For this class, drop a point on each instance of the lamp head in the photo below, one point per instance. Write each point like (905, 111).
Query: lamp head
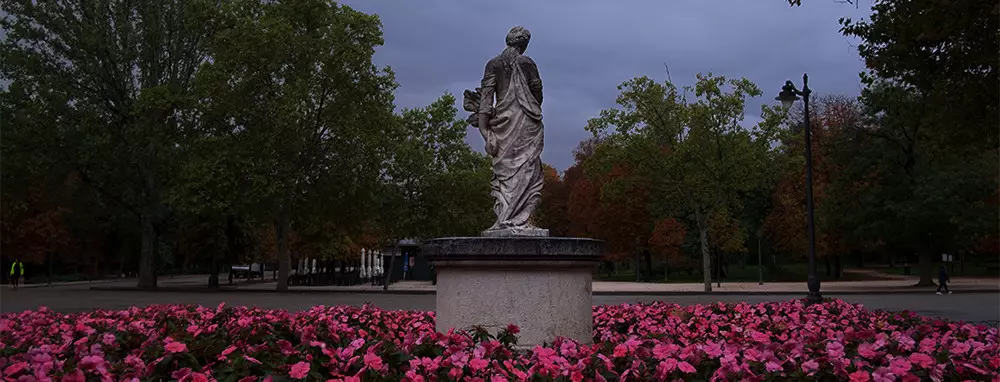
(787, 96)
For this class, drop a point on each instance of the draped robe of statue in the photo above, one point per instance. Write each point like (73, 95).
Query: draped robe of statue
(514, 140)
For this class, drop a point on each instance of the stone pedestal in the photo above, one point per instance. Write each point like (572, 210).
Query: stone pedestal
(540, 284)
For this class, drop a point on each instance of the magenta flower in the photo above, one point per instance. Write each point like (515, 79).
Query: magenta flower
(860, 376)
(373, 361)
(810, 366)
(866, 350)
(922, 360)
(632, 341)
(685, 367)
(899, 366)
(175, 347)
(299, 370)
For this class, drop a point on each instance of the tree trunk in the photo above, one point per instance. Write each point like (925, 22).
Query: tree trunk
(926, 268)
(50, 268)
(649, 265)
(213, 276)
(284, 257)
(706, 261)
(392, 266)
(147, 253)
(838, 267)
(666, 268)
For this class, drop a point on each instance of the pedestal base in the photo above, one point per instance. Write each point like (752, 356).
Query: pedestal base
(516, 232)
(540, 284)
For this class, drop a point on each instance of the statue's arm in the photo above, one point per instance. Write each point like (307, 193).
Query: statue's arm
(487, 91)
(534, 79)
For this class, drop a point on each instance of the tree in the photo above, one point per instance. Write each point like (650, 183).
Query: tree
(434, 183)
(695, 155)
(668, 241)
(726, 236)
(114, 78)
(944, 51)
(832, 118)
(932, 108)
(301, 117)
(552, 211)
(916, 191)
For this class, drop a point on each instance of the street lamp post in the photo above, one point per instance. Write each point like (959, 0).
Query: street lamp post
(789, 94)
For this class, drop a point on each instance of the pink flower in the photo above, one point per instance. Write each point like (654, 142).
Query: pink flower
(74, 376)
(667, 366)
(899, 366)
(922, 360)
(959, 348)
(92, 362)
(685, 367)
(176, 347)
(835, 349)
(620, 351)
(810, 366)
(906, 342)
(373, 361)
(760, 337)
(410, 376)
(883, 375)
(664, 351)
(299, 370)
(713, 349)
(866, 350)
(498, 378)
(859, 376)
(478, 364)
(15, 368)
(773, 366)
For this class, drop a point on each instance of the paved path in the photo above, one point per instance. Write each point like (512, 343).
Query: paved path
(900, 284)
(74, 298)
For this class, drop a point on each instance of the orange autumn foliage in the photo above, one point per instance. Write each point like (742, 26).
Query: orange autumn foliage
(667, 240)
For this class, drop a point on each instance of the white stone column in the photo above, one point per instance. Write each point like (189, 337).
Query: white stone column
(364, 258)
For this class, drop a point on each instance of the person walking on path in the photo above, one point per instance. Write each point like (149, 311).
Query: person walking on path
(942, 280)
(16, 272)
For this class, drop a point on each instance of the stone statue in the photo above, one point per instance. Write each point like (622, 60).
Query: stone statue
(512, 129)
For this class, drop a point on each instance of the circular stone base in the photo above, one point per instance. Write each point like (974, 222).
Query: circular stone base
(540, 284)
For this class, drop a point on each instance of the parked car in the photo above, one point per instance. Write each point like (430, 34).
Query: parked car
(248, 272)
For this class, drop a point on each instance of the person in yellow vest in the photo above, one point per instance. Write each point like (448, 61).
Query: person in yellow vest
(16, 272)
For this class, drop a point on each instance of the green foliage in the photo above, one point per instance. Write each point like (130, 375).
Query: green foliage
(693, 153)
(296, 120)
(434, 183)
(946, 52)
(111, 80)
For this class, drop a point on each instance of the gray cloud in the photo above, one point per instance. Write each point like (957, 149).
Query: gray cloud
(584, 49)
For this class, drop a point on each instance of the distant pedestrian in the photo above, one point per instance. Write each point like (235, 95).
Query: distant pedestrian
(16, 272)
(942, 280)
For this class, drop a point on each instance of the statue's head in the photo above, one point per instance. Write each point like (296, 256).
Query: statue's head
(518, 37)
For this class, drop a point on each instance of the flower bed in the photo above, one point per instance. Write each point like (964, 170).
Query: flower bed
(777, 341)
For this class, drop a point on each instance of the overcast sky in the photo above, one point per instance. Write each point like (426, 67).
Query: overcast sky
(585, 48)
